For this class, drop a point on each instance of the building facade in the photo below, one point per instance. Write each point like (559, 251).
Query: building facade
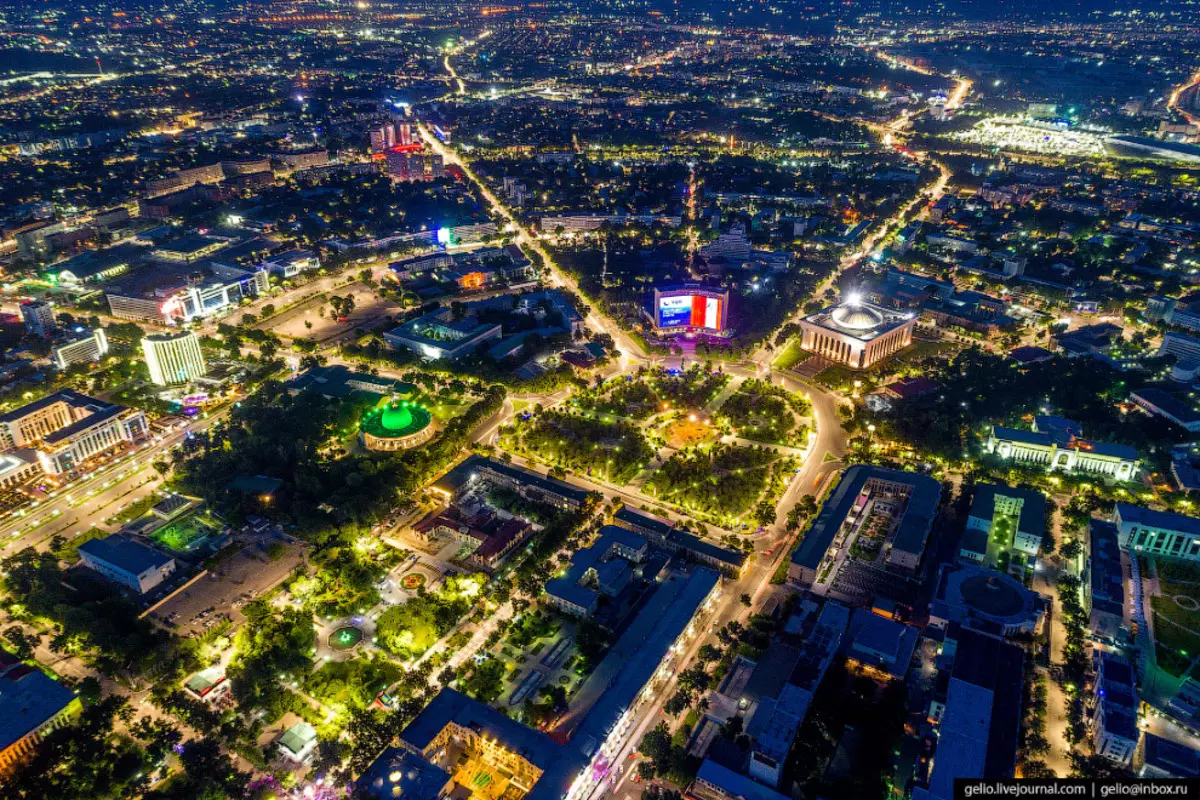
(1161, 533)
(856, 334)
(1115, 461)
(38, 316)
(173, 357)
(89, 347)
(130, 563)
(68, 428)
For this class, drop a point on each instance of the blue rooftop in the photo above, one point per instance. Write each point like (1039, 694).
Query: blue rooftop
(28, 699)
(125, 554)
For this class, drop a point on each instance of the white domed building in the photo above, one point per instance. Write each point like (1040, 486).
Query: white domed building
(855, 333)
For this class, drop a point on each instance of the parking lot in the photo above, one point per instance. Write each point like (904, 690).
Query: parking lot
(224, 590)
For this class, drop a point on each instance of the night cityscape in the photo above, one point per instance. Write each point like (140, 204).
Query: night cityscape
(622, 399)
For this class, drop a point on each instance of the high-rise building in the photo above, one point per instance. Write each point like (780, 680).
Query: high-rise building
(173, 357)
(39, 318)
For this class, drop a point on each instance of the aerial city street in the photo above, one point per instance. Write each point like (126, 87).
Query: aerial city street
(593, 399)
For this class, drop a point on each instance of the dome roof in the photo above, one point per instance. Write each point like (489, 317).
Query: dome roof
(856, 317)
(396, 417)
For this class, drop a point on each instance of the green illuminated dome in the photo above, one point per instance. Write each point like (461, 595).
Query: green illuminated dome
(396, 420)
(396, 417)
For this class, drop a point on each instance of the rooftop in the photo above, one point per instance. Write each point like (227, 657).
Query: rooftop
(1163, 520)
(28, 698)
(914, 525)
(859, 319)
(1033, 505)
(125, 554)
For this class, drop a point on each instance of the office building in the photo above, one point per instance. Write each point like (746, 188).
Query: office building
(128, 562)
(1104, 583)
(1157, 757)
(38, 316)
(18, 467)
(664, 535)
(173, 357)
(174, 293)
(1113, 705)
(438, 335)
(607, 566)
(32, 704)
(907, 500)
(1019, 515)
(855, 333)
(399, 773)
(533, 486)
(1174, 407)
(1160, 533)
(980, 714)
(67, 429)
(715, 781)
(85, 347)
(463, 737)
(777, 719)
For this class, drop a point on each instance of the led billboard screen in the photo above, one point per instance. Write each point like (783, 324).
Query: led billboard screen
(690, 311)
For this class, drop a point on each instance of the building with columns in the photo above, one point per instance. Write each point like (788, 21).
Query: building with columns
(857, 334)
(1065, 452)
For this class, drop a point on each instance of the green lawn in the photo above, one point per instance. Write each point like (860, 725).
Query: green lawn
(182, 534)
(1176, 629)
(791, 355)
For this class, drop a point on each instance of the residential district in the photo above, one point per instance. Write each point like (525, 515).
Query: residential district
(597, 399)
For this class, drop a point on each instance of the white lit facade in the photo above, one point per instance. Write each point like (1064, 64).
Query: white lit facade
(173, 357)
(856, 334)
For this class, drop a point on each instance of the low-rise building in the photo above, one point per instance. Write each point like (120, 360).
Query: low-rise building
(1161, 758)
(665, 535)
(777, 719)
(531, 485)
(606, 565)
(980, 715)
(968, 594)
(1168, 405)
(298, 742)
(1019, 514)
(1068, 453)
(1104, 581)
(912, 497)
(126, 561)
(1162, 533)
(716, 782)
(32, 704)
(438, 335)
(1113, 709)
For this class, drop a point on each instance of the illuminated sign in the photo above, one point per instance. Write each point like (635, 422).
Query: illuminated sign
(443, 236)
(690, 311)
